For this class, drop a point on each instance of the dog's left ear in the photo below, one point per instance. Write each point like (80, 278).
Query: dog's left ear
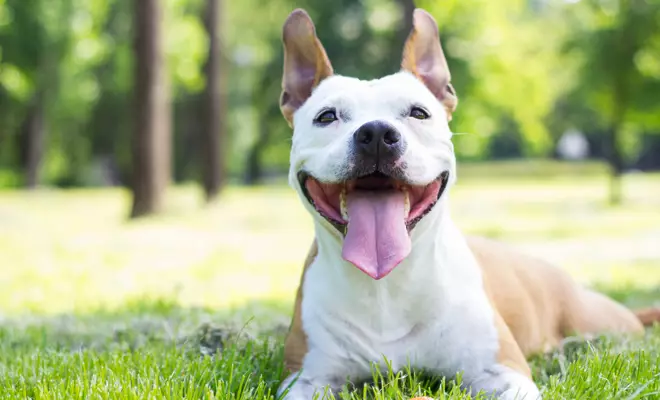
(306, 63)
(424, 58)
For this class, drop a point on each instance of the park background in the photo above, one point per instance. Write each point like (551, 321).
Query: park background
(143, 160)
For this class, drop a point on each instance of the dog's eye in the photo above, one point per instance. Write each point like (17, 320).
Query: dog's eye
(419, 113)
(326, 117)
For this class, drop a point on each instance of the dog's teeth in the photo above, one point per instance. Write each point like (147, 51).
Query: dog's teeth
(342, 204)
(406, 203)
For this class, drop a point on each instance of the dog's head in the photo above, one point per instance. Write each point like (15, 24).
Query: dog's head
(370, 159)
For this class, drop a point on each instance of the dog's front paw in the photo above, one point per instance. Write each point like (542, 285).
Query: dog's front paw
(304, 388)
(505, 384)
(297, 394)
(530, 393)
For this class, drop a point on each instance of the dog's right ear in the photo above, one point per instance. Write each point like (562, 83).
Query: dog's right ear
(305, 62)
(424, 58)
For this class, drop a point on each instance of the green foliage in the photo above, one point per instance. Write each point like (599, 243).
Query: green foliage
(615, 46)
(524, 70)
(186, 44)
(512, 71)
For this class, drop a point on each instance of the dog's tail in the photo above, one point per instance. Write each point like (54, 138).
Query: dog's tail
(648, 316)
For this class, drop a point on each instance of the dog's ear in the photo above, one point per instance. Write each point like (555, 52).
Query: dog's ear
(305, 62)
(424, 58)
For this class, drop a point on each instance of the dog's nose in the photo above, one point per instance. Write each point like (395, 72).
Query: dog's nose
(378, 139)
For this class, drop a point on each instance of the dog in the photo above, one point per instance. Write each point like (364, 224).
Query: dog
(389, 276)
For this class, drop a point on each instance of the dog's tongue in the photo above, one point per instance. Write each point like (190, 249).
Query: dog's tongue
(377, 238)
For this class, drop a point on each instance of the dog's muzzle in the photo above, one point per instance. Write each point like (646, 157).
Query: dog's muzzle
(375, 213)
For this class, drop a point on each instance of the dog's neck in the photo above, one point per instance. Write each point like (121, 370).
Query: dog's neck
(393, 306)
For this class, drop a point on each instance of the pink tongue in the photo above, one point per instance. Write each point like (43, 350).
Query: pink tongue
(377, 239)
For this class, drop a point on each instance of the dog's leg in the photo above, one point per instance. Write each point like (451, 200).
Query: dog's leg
(505, 383)
(589, 312)
(302, 387)
(510, 378)
(322, 374)
(305, 386)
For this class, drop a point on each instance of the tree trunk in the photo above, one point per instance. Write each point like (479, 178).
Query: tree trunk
(214, 106)
(620, 102)
(151, 145)
(254, 167)
(33, 134)
(615, 161)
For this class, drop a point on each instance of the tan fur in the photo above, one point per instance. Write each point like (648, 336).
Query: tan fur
(415, 52)
(302, 49)
(295, 347)
(536, 306)
(648, 316)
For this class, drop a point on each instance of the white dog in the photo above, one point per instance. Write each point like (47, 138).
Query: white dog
(389, 275)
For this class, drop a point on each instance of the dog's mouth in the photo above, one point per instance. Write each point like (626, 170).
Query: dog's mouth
(331, 199)
(375, 213)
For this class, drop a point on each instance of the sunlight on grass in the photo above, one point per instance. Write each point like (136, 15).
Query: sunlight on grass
(76, 251)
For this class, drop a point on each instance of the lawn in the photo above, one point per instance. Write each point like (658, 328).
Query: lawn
(195, 303)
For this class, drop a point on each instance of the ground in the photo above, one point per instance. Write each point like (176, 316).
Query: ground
(195, 303)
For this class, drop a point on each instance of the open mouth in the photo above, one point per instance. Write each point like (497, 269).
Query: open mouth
(375, 213)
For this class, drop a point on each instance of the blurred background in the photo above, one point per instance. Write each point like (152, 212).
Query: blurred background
(112, 110)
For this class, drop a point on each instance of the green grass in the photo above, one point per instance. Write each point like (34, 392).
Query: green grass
(196, 303)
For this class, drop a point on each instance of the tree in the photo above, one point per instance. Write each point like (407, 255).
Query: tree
(505, 69)
(32, 140)
(33, 49)
(214, 105)
(151, 145)
(30, 33)
(619, 79)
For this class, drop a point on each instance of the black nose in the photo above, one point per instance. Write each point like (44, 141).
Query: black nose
(378, 139)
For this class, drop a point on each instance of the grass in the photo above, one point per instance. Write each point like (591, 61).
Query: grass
(195, 303)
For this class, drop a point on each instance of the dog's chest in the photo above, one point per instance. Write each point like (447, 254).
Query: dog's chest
(432, 323)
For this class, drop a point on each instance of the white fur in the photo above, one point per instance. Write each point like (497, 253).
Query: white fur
(431, 312)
